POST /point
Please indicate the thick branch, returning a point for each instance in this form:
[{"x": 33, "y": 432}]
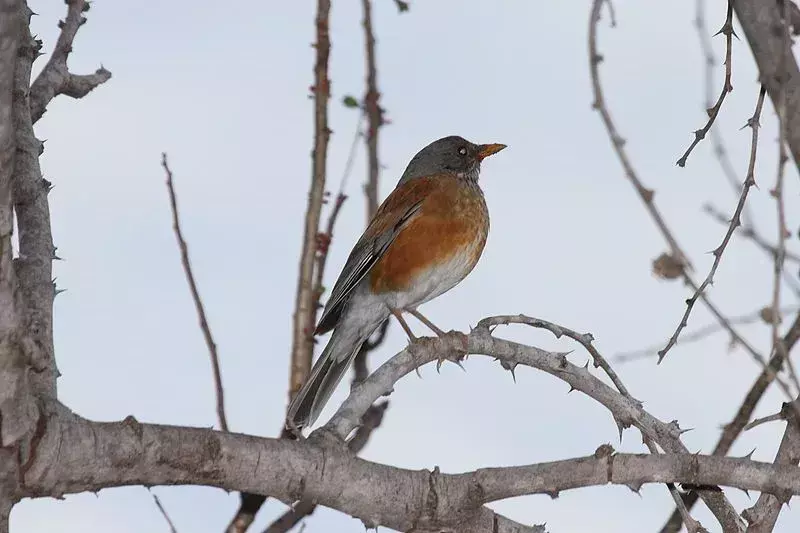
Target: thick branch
[
  {"x": 56, "y": 78},
  {"x": 93, "y": 455},
  {"x": 34, "y": 266}
]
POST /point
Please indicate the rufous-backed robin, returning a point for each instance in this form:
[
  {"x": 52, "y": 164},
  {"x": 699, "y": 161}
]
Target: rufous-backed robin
[{"x": 423, "y": 240}]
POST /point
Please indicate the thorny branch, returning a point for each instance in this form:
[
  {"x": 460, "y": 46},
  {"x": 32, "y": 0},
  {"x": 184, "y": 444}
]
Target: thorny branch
[
  {"x": 749, "y": 232},
  {"x": 699, "y": 334},
  {"x": 720, "y": 152},
  {"x": 735, "y": 222},
  {"x": 743, "y": 415},
  {"x": 625, "y": 410},
  {"x": 713, "y": 112},
  {"x": 763, "y": 515},
  {"x": 198, "y": 302},
  {"x": 585, "y": 340},
  {"x": 676, "y": 255}
]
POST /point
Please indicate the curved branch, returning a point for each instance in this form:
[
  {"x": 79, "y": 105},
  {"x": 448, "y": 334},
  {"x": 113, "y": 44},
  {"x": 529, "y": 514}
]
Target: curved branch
[{"x": 454, "y": 346}]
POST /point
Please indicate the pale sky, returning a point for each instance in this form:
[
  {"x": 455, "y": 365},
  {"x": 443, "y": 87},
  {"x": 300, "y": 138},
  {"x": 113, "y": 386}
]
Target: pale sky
[{"x": 225, "y": 92}]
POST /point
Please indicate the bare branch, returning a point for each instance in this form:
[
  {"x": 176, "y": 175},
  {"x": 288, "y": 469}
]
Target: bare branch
[
  {"x": 305, "y": 312},
  {"x": 373, "y": 111},
  {"x": 625, "y": 410},
  {"x": 56, "y": 78},
  {"x": 165, "y": 514},
  {"x": 777, "y": 193},
  {"x": 370, "y": 422},
  {"x": 743, "y": 415},
  {"x": 697, "y": 335},
  {"x": 749, "y": 232},
  {"x": 618, "y": 142},
  {"x": 34, "y": 264},
  {"x": 736, "y": 221},
  {"x": 763, "y": 515},
  {"x": 198, "y": 302},
  {"x": 678, "y": 257},
  {"x": 584, "y": 339},
  {"x": 759, "y": 20},
  {"x": 720, "y": 151},
  {"x": 699, "y": 135}
]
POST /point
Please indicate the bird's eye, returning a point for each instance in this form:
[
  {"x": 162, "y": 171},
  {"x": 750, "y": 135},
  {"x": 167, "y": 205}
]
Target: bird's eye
[{"x": 462, "y": 150}]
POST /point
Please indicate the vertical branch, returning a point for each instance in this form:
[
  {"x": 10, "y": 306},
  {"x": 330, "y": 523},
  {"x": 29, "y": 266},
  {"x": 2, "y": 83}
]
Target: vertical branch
[
  {"x": 374, "y": 113},
  {"x": 34, "y": 265},
  {"x": 198, "y": 302},
  {"x": 305, "y": 313},
  {"x": 313, "y": 253},
  {"x": 777, "y": 193}
]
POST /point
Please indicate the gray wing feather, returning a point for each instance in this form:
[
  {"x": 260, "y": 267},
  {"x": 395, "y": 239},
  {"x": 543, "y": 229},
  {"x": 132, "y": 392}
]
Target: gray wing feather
[{"x": 367, "y": 252}]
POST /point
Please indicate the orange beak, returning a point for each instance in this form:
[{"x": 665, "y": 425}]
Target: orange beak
[{"x": 485, "y": 150}]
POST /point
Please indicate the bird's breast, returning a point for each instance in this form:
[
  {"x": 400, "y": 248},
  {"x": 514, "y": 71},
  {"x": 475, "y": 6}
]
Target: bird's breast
[{"x": 437, "y": 249}]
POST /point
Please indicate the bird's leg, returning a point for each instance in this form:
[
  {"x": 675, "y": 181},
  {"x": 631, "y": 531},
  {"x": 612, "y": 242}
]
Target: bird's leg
[
  {"x": 399, "y": 316},
  {"x": 419, "y": 316},
  {"x": 411, "y": 337}
]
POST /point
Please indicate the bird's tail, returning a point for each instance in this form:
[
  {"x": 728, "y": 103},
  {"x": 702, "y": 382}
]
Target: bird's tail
[{"x": 326, "y": 374}]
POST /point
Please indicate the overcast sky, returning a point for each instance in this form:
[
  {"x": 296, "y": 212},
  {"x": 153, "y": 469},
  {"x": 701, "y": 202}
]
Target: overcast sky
[{"x": 225, "y": 92}]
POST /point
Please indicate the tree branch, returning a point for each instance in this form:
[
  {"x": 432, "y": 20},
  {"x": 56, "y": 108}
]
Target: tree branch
[
  {"x": 34, "y": 264},
  {"x": 305, "y": 304},
  {"x": 219, "y": 390},
  {"x": 677, "y": 258},
  {"x": 763, "y": 515},
  {"x": 712, "y": 112},
  {"x": 760, "y": 20},
  {"x": 743, "y": 415},
  {"x": 128, "y": 453},
  {"x": 625, "y": 410},
  {"x": 56, "y": 78}
]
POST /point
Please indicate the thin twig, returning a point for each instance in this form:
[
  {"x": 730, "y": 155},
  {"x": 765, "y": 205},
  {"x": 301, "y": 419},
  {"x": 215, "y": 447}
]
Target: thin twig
[
  {"x": 645, "y": 194},
  {"x": 697, "y": 335},
  {"x": 763, "y": 420},
  {"x": 736, "y": 221},
  {"x": 165, "y": 515},
  {"x": 618, "y": 142},
  {"x": 717, "y": 142},
  {"x": 198, "y": 303},
  {"x": 713, "y": 112},
  {"x": 749, "y": 232}
]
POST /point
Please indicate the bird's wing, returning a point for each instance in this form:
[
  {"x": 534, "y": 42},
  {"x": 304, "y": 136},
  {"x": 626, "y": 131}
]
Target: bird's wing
[{"x": 399, "y": 208}]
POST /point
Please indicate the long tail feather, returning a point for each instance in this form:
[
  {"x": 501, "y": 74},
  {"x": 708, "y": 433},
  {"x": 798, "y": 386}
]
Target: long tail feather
[{"x": 328, "y": 371}]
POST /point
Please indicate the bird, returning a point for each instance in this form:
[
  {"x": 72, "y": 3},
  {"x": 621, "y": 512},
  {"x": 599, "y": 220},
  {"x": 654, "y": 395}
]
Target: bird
[{"x": 424, "y": 239}]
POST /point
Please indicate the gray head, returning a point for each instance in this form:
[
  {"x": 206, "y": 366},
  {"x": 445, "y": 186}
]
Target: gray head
[{"x": 450, "y": 155}]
